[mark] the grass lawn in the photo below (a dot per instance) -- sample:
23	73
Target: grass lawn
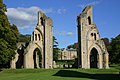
61	74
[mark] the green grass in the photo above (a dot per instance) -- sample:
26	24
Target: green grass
61	74
62	62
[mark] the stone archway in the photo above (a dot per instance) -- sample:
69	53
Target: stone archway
94	58
37	58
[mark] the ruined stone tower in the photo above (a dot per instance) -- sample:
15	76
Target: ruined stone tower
92	52
39	52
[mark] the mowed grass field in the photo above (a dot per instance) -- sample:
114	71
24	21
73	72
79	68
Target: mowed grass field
61	74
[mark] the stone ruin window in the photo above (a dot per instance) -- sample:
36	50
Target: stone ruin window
42	22
95	36
33	36
39	36
91	34
89	20
36	37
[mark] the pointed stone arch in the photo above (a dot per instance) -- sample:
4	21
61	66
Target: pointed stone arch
37	58
97	52
29	57
93	58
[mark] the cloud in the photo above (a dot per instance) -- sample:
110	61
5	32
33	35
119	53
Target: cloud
26	18
64	42
91	3
64	33
60	11
69	34
23	17
49	10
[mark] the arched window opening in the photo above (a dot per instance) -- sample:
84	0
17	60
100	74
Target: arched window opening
39	36
33	36
36	37
89	20
91	34
95	36
42	22
19	62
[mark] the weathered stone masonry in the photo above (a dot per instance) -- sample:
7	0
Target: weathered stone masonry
41	44
92	52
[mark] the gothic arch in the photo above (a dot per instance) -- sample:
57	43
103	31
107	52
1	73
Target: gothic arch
37	35
29	60
37	58
93	58
40	32
99	55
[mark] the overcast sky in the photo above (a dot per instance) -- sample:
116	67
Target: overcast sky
106	15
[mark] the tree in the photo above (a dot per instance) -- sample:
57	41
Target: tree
2	7
24	38
74	46
55	49
114	52
107	43
8	37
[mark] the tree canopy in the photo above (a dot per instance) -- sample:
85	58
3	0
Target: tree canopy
55	49
74	46
24	38
114	52
9	35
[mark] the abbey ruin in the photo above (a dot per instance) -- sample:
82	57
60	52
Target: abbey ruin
39	52
92	52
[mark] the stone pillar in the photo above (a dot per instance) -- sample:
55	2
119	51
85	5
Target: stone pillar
25	63
100	65
106	61
37	60
88	62
54	64
13	61
12	64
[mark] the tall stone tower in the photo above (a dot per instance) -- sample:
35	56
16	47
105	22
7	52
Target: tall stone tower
92	52
39	52
42	40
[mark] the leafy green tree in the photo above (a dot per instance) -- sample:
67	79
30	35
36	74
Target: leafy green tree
55	49
74	46
107	43
2	7
24	38
8	37
114	52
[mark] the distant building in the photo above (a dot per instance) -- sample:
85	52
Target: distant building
67	54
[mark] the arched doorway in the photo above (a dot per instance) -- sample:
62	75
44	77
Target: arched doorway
37	58
19	62
93	58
